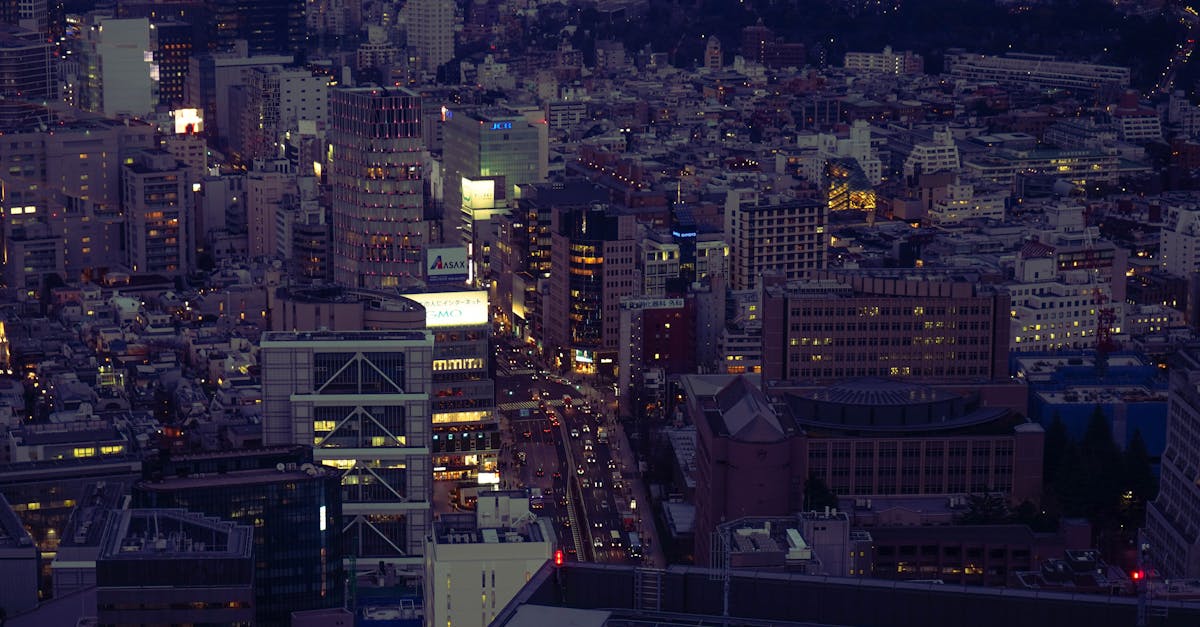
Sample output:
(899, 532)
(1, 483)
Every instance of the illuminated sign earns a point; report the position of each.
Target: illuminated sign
(454, 309)
(501, 126)
(583, 356)
(478, 194)
(459, 363)
(488, 478)
(188, 121)
(321, 513)
(446, 265)
(637, 304)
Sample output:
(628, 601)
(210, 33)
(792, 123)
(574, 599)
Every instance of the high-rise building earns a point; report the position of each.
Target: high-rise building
(119, 75)
(593, 253)
(1171, 518)
(430, 32)
(486, 154)
(173, 45)
(32, 15)
(267, 26)
(158, 214)
(375, 175)
(361, 400)
(786, 237)
(296, 514)
(26, 66)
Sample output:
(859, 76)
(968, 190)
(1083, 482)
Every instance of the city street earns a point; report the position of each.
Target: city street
(559, 439)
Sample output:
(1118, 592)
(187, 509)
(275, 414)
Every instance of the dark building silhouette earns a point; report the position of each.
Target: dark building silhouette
(293, 506)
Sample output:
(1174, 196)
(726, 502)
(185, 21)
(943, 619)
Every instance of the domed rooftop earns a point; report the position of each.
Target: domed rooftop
(878, 392)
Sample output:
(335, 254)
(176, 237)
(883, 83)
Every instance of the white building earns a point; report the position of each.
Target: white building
(361, 400)
(940, 155)
(476, 563)
(1054, 308)
(120, 75)
(1179, 240)
(963, 202)
(886, 62)
(430, 32)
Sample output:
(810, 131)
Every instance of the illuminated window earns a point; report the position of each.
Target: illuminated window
(86, 451)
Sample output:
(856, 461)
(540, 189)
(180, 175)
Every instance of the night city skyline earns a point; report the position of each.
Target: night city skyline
(524, 313)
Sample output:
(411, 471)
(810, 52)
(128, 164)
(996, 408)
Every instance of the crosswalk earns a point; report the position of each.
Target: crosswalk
(519, 405)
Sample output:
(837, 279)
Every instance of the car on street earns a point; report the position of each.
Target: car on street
(541, 472)
(575, 433)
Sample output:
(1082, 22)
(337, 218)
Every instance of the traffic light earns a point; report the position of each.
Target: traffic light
(558, 557)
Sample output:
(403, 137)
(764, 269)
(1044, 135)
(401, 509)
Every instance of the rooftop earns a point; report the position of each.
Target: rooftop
(372, 337)
(142, 533)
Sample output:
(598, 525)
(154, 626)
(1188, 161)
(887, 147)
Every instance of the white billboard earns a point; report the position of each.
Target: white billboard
(446, 265)
(454, 309)
(188, 121)
(479, 194)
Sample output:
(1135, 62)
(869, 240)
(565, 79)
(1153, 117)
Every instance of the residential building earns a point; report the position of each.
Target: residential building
(886, 62)
(1034, 70)
(361, 400)
(431, 26)
(769, 235)
(158, 208)
(378, 211)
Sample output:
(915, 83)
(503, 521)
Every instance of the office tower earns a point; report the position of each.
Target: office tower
(486, 154)
(499, 546)
(158, 214)
(1171, 518)
(173, 46)
(375, 176)
(163, 566)
(884, 324)
(119, 76)
(593, 257)
(361, 400)
(26, 66)
(31, 15)
(267, 26)
(781, 236)
(296, 514)
(430, 32)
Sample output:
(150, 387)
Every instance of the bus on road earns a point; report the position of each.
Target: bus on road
(635, 545)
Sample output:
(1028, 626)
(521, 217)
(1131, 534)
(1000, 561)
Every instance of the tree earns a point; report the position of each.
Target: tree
(1055, 444)
(985, 509)
(817, 494)
(1139, 478)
